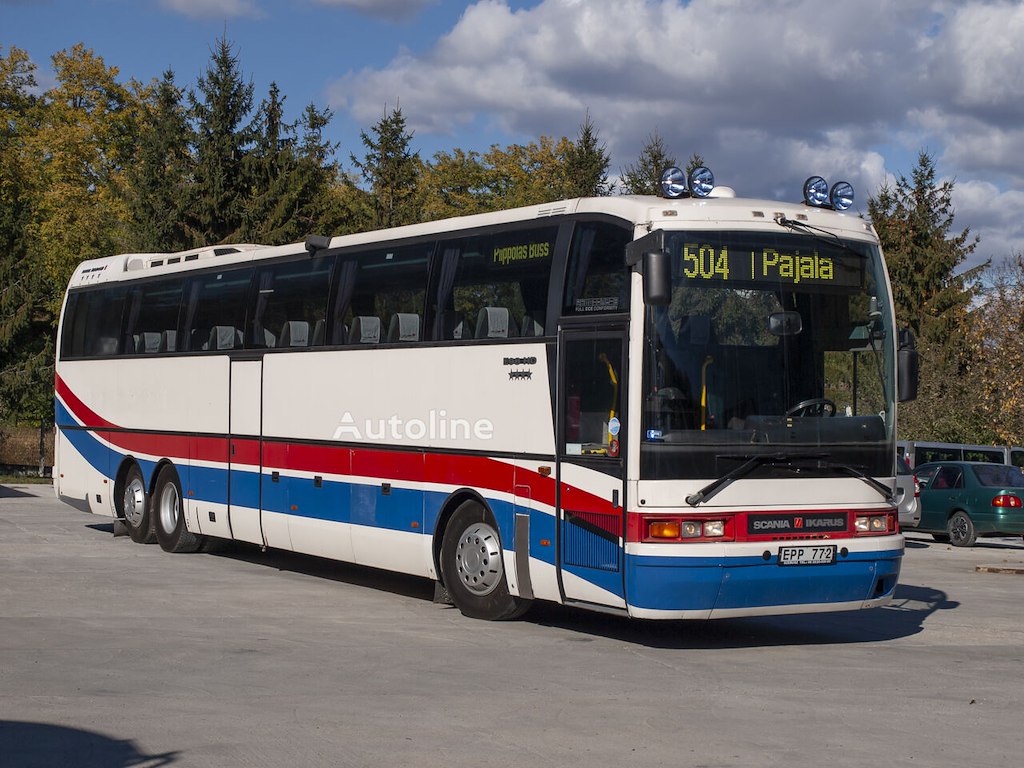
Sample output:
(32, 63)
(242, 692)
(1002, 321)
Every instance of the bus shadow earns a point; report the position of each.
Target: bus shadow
(904, 617)
(24, 744)
(6, 492)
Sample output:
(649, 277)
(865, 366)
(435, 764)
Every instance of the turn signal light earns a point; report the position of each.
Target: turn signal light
(667, 529)
(682, 529)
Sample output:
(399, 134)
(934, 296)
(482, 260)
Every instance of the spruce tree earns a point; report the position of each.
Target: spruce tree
(390, 171)
(586, 164)
(221, 140)
(644, 176)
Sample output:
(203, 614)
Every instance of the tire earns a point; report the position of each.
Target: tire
(473, 568)
(135, 508)
(169, 516)
(961, 530)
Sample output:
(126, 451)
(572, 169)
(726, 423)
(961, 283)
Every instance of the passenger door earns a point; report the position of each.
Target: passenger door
(245, 454)
(591, 466)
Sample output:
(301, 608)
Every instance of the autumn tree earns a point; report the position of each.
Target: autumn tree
(997, 336)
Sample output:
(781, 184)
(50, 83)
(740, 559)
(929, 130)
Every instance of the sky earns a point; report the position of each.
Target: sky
(768, 92)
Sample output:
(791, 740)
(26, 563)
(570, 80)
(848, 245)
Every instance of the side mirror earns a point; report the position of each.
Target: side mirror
(906, 366)
(657, 278)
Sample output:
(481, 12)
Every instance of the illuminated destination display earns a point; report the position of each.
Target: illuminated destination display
(726, 263)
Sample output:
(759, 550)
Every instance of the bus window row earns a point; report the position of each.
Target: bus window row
(486, 286)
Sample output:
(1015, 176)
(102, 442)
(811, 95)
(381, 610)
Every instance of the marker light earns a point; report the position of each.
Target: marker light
(673, 183)
(816, 191)
(701, 181)
(841, 196)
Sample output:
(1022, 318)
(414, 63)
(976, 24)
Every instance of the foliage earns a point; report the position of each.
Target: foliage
(997, 333)
(933, 298)
(391, 171)
(586, 164)
(220, 142)
(157, 179)
(643, 177)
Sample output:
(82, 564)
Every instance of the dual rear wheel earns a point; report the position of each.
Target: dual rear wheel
(159, 518)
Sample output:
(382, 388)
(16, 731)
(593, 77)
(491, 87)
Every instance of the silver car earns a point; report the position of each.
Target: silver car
(908, 494)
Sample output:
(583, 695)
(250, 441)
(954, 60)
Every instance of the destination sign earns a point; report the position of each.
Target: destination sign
(725, 264)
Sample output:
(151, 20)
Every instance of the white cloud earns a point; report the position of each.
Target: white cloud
(767, 92)
(227, 9)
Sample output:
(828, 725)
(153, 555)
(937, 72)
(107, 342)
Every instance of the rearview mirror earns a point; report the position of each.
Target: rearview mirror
(657, 278)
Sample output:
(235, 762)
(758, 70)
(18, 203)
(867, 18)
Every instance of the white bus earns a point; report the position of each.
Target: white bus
(667, 407)
(918, 452)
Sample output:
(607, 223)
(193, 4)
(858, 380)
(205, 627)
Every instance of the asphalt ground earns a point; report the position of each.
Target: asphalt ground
(117, 654)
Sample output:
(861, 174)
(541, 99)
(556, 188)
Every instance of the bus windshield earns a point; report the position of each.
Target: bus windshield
(772, 345)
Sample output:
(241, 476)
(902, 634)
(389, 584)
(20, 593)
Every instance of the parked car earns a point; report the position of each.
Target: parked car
(908, 491)
(962, 500)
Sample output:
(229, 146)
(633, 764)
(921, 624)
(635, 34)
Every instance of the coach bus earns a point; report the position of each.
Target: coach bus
(919, 452)
(666, 407)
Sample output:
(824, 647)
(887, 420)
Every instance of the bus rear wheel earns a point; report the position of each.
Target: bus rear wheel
(169, 515)
(473, 567)
(135, 506)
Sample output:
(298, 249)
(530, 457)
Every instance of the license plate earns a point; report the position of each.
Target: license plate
(808, 554)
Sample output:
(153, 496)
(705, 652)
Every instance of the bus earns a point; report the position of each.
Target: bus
(918, 452)
(665, 407)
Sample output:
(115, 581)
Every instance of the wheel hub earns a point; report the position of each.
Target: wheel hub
(478, 559)
(134, 502)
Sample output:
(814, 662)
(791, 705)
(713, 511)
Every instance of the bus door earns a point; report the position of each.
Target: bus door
(592, 464)
(245, 455)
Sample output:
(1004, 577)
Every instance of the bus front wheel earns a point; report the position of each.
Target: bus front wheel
(135, 508)
(473, 567)
(169, 516)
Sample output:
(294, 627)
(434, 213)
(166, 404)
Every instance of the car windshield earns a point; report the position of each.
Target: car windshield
(999, 476)
(771, 342)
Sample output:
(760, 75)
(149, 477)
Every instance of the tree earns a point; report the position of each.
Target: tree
(586, 164)
(220, 143)
(997, 338)
(156, 181)
(455, 184)
(914, 220)
(527, 174)
(25, 328)
(390, 171)
(644, 176)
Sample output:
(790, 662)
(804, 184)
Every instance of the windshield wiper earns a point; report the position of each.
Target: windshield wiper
(751, 463)
(882, 488)
(795, 460)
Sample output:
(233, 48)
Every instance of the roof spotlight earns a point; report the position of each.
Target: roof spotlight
(673, 183)
(841, 195)
(816, 191)
(701, 181)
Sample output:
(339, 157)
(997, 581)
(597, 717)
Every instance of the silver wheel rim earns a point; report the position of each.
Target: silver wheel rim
(478, 559)
(170, 508)
(134, 502)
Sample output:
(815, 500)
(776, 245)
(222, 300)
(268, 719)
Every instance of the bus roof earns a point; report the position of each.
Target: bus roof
(722, 210)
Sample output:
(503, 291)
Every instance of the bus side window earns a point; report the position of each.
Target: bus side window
(597, 279)
(291, 300)
(380, 295)
(493, 286)
(216, 309)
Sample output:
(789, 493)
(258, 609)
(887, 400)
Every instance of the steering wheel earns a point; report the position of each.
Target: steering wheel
(817, 406)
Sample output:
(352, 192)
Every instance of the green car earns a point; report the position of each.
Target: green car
(962, 500)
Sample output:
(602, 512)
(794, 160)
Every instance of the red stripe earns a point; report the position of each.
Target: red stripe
(400, 466)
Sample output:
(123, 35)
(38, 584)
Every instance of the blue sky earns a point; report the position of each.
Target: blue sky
(767, 91)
